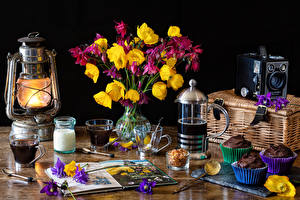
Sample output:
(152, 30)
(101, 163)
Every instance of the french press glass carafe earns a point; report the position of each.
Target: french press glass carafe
(192, 119)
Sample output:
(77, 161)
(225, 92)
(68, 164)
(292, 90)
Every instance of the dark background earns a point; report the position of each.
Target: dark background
(224, 30)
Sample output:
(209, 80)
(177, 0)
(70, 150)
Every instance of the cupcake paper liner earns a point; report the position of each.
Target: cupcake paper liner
(231, 155)
(250, 176)
(278, 165)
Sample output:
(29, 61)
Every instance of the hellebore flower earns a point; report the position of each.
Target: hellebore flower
(50, 188)
(146, 187)
(58, 169)
(81, 176)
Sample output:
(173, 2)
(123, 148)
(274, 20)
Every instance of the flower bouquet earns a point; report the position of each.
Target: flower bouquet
(137, 66)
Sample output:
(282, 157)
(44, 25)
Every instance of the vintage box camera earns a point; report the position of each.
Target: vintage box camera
(258, 74)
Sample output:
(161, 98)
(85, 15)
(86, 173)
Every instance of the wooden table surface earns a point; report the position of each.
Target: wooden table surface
(12, 188)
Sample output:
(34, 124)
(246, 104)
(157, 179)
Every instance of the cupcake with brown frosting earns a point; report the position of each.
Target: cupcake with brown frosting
(279, 158)
(234, 148)
(250, 169)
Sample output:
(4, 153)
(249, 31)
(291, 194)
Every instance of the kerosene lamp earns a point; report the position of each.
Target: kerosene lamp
(36, 88)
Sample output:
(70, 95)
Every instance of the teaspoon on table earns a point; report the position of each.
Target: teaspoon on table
(10, 172)
(211, 168)
(86, 150)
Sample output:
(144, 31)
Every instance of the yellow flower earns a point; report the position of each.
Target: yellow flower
(92, 72)
(117, 55)
(171, 62)
(163, 55)
(176, 82)
(146, 34)
(147, 140)
(115, 90)
(102, 44)
(174, 31)
(71, 168)
(135, 55)
(166, 72)
(159, 90)
(103, 99)
(281, 185)
(127, 145)
(133, 95)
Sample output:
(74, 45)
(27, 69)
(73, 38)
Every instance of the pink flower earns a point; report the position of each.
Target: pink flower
(133, 67)
(150, 68)
(98, 36)
(94, 49)
(81, 57)
(112, 72)
(121, 28)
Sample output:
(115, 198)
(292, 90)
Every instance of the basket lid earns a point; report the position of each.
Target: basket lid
(191, 95)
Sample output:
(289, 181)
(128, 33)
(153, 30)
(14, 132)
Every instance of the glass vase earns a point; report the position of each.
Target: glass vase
(132, 117)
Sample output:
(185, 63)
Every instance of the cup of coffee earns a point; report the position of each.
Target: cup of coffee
(99, 131)
(24, 147)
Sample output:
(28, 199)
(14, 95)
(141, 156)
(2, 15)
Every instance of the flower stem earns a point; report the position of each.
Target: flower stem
(71, 193)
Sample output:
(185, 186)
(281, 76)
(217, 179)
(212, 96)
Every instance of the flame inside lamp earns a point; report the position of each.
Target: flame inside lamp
(34, 93)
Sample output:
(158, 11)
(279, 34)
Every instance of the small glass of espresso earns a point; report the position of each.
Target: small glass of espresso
(24, 147)
(99, 131)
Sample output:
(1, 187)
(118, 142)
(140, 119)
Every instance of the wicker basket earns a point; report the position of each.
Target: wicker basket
(283, 126)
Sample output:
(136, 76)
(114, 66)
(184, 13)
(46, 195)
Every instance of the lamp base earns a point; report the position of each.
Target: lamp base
(45, 131)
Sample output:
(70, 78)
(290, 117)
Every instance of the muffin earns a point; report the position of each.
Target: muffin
(279, 158)
(234, 148)
(250, 169)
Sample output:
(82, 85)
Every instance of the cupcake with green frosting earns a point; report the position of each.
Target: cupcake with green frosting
(234, 148)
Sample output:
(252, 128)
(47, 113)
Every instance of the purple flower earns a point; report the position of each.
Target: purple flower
(126, 102)
(116, 144)
(81, 176)
(112, 72)
(143, 99)
(123, 149)
(280, 103)
(146, 187)
(121, 28)
(265, 100)
(50, 188)
(58, 169)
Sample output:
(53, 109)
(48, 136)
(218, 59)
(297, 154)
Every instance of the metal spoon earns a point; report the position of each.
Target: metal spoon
(10, 172)
(211, 168)
(86, 150)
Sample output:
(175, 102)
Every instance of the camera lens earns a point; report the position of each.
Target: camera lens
(277, 80)
(283, 67)
(271, 68)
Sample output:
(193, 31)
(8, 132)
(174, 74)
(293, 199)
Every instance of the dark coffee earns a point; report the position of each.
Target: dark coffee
(189, 127)
(24, 150)
(99, 137)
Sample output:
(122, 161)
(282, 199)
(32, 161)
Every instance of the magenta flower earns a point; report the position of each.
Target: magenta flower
(280, 103)
(50, 188)
(265, 100)
(143, 99)
(126, 102)
(133, 68)
(81, 176)
(98, 36)
(112, 72)
(121, 28)
(146, 187)
(94, 49)
(81, 57)
(58, 169)
(150, 68)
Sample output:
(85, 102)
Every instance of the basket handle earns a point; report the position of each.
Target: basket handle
(224, 111)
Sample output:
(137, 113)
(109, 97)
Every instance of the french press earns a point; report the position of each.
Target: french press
(192, 120)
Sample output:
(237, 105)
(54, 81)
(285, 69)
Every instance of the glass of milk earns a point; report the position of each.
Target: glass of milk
(64, 140)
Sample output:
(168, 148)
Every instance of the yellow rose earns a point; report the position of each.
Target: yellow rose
(92, 72)
(102, 44)
(117, 55)
(115, 90)
(166, 72)
(103, 99)
(159, 90)
(176, 82)
(135, 55)
(174, 31)
(146, 34)
(133, 95)
(171, 62)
